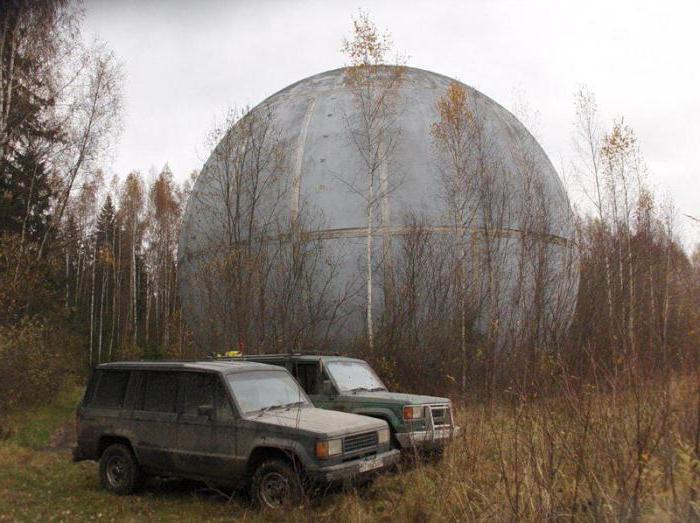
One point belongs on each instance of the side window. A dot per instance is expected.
(111, 386)
(223, 404)
(160, 391)
(307, 376)
(133, 390)
(199, 391)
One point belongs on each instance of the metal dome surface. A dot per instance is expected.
(311, 119)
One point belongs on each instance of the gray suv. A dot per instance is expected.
(237, 423)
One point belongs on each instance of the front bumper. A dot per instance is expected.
(427, 438)
(355, 468)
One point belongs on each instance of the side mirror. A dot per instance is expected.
(205, 411)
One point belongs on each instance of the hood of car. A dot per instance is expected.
(394, 398)
(321, 422)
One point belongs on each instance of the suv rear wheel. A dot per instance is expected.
(119, 471)
(276, 484)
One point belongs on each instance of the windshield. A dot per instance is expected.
(265, 390)
(352, 376)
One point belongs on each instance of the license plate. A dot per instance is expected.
(370, 464)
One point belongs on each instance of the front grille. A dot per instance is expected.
(441, 415)
(360, 442)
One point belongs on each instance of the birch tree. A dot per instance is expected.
(89, 118)
(453, 137)
(373, 128)
(131, 215)
(477, 206)
(164, 204)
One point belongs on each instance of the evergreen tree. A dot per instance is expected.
(25, 195)
(105, 224)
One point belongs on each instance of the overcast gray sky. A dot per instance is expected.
(187, 61)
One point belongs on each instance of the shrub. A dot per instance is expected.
(35, 354)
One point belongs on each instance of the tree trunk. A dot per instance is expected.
(370, 328)
(92, 302)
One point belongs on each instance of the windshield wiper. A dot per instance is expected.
(294, 404)
(285, 406)
(269, 407)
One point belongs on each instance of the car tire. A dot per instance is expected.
(432, 456)
(276, 484)
(119, 471)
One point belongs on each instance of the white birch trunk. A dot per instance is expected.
(370, 196)
(92, 303)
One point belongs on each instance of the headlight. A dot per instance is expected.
(383, 436)
(328, 448)
(413, 412)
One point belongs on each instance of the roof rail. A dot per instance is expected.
(318, 353)
(214, 356)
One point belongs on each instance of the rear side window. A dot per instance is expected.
(199, 392)
(160, 391)
(111, 386)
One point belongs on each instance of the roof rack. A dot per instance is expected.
(317, 353)
(214, 356)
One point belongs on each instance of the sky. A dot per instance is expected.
(186, 62)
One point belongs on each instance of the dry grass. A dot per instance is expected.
(586, 455)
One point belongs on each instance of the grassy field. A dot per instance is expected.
(584, 456)
(39, 482)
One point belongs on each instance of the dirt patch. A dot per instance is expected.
(63, 439)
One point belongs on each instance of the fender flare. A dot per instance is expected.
(294, 448)
(382, 413)
(119, 434)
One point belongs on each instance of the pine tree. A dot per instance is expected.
(25, 195)
(105, 224)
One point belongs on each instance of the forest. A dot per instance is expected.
(606, 413)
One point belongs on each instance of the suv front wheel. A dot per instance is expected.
(119, 471)
(276, 484)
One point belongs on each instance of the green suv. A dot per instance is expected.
(350, 385)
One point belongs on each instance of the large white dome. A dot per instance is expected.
(322, 171)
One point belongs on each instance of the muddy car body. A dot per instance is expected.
(237, 423)
(350, 385)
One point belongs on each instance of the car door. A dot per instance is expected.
(206, 433)
(102, 410)
(155, 420)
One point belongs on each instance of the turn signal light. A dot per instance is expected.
(413, 412)
(328, 448)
